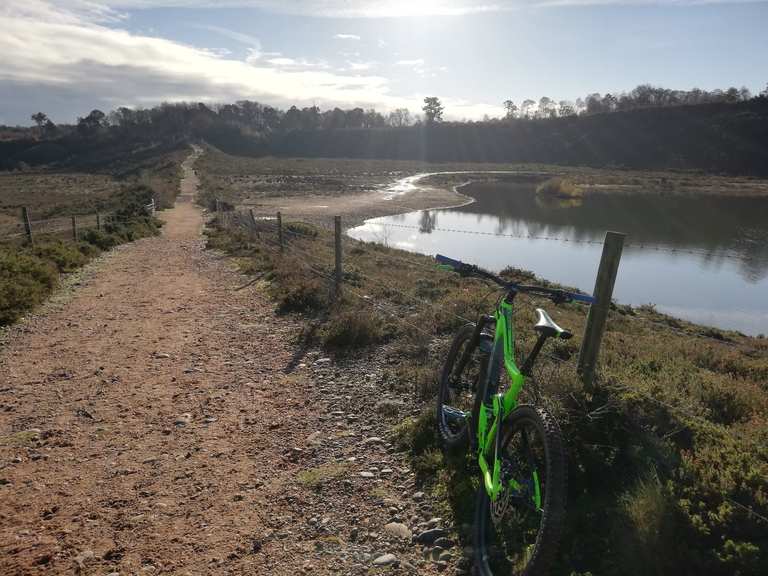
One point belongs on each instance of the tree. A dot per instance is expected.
(334, 119)
(433, 109)
(310, 118)
(39, 118)
(355, 118)
(610, 104)
(292, 119)
(525, 108)
(745, 94)
(399, 117)
(510, 108)
(594, 103)
(373, 119)
(546, 107)
(566, 108)
(50, 129)
(91, 123)
(45, 127)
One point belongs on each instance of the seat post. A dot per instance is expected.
(529, 361)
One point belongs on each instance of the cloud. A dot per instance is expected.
(327, 8)
(78, 63)
(365, 8)
(241, 37)
(410, 63)
(346, 37)
(354, 66)
(285, 62)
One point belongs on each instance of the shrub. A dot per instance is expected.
(25, 281)
(302, 229)
(351, 327)
(559, 188)
(419, 378)
(295, 289)
(101, 240)
(415, 435)
(649, 526)
(66, 256)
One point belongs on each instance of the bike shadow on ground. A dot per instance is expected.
(307, 340)
(450, 477)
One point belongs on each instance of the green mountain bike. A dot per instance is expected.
(521, 500)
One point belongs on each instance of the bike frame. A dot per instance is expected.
(489, 421)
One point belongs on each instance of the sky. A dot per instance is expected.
(68, 57)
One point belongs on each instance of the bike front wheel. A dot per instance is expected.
(519, 532)
(458, 388)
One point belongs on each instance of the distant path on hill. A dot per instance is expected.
(159, 420)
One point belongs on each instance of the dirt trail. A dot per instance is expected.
(159, 422)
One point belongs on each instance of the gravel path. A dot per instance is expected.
(160, 420)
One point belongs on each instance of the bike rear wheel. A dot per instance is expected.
(519, 533)
(457, 391)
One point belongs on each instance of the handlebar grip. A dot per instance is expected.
(455, 264)
(582, 298)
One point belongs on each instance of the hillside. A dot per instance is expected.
(729, 138)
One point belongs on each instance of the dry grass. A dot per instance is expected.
(243, 180)
(48, 194)
(672, 396)
(316, 477)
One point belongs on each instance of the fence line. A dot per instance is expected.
(347, 240)
(637, 245)
(305, 260)
(595, 325)
(70, 224)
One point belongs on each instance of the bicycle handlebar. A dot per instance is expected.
(555, 294)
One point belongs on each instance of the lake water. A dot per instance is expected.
(701, 258)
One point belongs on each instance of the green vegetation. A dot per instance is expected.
(57, 194)
(352, 326)
(28, 274)
(668, 457)
(559, 188)
(25, 281)
(316, 477)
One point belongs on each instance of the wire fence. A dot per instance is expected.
(246, 220)
(27, 229)
(726, 253)
(302, 243)
(326, 264)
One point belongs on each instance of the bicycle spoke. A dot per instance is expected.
(458, 396)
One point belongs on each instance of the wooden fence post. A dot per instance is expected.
(27, 224)
(337, 243)
(598, 312)
(98, 221)
(253, 223)
(280, 230)
(74, 229)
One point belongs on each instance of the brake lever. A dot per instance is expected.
(467, 270)
(560, 297)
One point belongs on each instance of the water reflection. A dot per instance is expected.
(717, 227)
(702, 258)
(427, 221)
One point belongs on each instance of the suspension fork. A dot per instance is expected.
(473, 342)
